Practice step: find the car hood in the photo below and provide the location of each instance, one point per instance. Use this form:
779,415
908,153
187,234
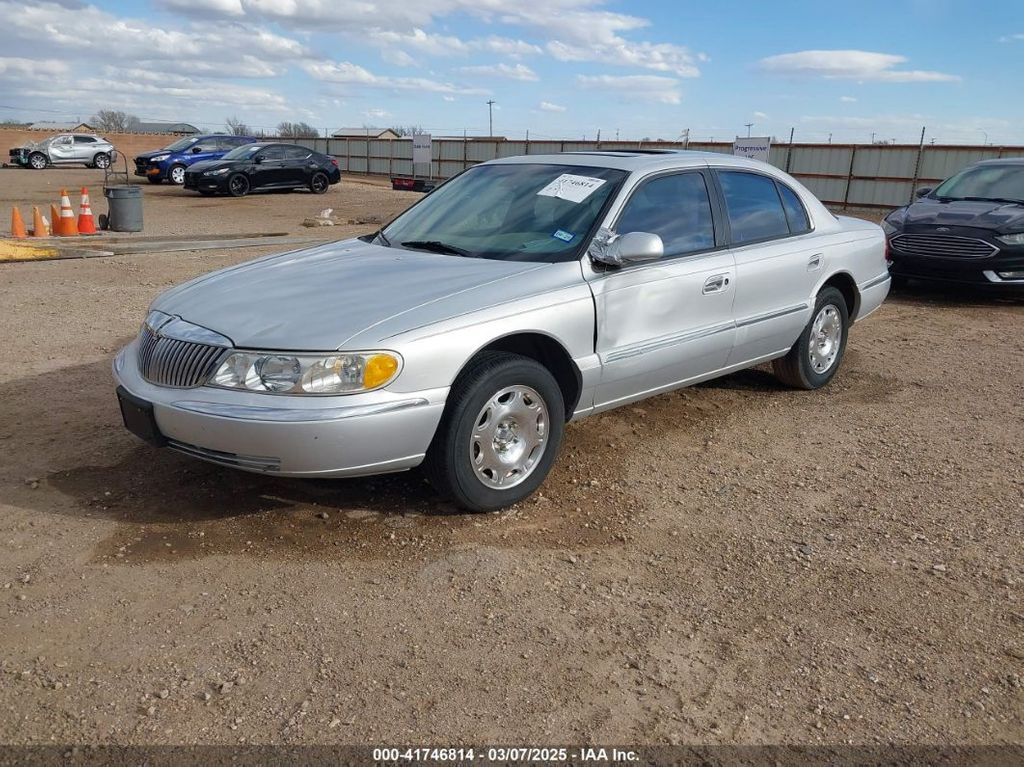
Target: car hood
203,165
153,153
997,216
321,298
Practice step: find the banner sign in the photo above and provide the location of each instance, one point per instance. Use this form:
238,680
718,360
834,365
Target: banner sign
422,152
752,148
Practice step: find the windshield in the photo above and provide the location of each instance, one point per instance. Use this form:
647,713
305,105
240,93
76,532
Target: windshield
243,151
987,182
514,212
182,143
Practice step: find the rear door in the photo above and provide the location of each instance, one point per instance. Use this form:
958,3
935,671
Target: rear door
778,262
298,165
83,148
664,323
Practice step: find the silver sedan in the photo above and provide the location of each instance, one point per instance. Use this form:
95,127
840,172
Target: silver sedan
522,294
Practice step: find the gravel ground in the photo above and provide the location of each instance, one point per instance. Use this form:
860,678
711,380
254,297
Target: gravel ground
732,563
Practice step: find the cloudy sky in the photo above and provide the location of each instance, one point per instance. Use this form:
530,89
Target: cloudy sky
558,68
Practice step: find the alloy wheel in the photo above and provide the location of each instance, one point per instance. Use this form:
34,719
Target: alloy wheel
509,437
826,337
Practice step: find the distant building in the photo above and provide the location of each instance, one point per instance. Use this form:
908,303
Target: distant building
387,133
60,127
166,127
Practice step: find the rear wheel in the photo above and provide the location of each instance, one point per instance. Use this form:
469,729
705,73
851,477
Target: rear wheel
101,161
177,174
817,354
500,432
319,183
238,185
37,160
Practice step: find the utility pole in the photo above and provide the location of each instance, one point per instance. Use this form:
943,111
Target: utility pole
872,138
830,138
749,126
490,117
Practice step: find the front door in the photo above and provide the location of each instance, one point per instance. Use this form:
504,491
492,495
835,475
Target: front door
662,324
270,167
62,150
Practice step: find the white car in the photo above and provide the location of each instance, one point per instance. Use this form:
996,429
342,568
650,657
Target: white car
522,294
65,149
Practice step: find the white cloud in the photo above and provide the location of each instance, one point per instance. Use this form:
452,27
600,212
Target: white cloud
850,65
848,99
1012,38
508,71
547,106
376,113
760,116
347,73
20,67
662,90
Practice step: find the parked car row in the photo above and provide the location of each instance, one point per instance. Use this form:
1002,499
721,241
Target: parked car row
210,164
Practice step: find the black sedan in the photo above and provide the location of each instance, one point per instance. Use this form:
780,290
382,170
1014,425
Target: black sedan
257,167
968,230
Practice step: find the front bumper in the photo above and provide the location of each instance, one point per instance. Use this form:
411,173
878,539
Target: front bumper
144,169
345,436
200,183
19,157
981,273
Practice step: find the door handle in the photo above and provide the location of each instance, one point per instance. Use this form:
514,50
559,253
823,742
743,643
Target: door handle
716,283
814,263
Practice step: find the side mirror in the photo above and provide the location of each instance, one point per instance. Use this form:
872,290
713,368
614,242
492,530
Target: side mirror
197,149
258,159
922,191
630,248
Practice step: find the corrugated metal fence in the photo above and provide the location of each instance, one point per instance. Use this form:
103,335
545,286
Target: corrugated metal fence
847,175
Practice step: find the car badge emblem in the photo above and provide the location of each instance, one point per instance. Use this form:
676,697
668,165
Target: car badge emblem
942,229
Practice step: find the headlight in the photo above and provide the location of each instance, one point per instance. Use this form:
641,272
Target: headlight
218,172
1012,239
159,158
889,228
336,373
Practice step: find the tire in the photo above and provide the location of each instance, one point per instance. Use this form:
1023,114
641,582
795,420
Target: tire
176,174
817,354
499,398
319,183
37,161
238,185
101,161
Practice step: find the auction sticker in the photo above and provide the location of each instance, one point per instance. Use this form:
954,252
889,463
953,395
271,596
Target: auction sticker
570,187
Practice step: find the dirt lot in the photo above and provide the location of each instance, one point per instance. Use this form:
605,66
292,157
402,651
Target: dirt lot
732,563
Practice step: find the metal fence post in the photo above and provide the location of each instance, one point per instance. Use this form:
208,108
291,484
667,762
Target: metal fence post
849,177
465,155
917,166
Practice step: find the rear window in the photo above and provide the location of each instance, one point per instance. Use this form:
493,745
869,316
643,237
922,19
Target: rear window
84,140
754,207
796,214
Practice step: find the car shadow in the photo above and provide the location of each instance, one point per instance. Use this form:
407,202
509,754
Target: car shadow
958,296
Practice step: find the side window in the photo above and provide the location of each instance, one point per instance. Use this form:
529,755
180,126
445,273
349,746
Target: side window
755,210
272,153
84,140
677,208
796,214
296,153
238,141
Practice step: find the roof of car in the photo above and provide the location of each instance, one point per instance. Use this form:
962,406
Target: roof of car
632,160
1002,161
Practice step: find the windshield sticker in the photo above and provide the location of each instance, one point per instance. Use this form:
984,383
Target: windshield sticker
563,235
571,188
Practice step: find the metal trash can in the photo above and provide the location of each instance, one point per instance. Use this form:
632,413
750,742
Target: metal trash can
124,206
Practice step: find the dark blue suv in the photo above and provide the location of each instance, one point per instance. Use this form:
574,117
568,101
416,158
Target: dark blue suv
171,161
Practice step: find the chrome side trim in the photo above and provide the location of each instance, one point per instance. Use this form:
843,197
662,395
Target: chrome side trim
287,415
771,315
652,346
167,326
877,281
250,462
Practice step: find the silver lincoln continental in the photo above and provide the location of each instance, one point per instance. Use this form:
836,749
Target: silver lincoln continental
522,294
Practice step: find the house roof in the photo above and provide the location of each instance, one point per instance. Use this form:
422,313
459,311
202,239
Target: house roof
165,127
60,126
364,133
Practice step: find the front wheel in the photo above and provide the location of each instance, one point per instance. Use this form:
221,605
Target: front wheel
319,183
500,432
238,185
817,354
37,160
177,174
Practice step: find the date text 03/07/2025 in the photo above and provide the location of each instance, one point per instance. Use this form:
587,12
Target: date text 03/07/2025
504,754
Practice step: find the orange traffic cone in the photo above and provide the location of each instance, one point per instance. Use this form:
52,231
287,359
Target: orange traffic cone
17,225
86,223
54,219
38,227
66,227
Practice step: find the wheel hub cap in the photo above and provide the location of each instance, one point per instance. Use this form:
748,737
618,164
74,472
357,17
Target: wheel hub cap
509,437
826,337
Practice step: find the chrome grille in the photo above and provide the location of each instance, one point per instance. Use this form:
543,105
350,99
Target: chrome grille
171,362
942,245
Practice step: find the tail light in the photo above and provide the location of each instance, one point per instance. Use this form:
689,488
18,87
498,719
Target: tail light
334,162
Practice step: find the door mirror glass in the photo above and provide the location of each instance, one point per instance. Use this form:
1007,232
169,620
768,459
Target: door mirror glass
197,149
630,248
923,191
258,159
